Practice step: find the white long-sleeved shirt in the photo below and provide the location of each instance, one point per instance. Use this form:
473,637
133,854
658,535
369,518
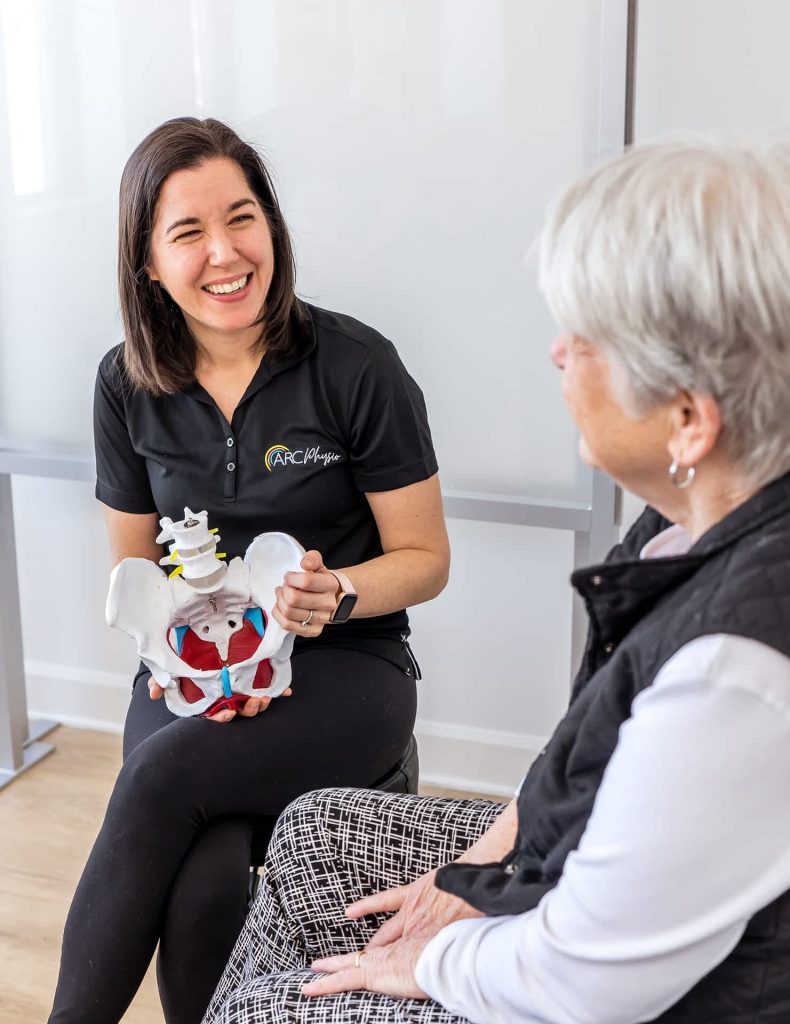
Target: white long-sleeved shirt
689,838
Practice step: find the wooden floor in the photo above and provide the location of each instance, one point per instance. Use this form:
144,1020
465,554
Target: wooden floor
48,820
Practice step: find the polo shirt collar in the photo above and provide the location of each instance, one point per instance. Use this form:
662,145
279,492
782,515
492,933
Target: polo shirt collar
271,363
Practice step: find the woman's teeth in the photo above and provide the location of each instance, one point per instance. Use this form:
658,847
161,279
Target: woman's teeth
225,289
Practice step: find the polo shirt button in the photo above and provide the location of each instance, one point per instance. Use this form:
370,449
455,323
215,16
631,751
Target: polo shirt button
231,466
596,581
608,648
230,442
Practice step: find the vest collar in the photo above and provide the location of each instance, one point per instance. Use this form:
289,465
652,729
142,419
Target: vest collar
619,592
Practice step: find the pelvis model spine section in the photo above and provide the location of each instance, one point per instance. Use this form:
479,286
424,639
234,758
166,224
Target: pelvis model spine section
193,550
205,631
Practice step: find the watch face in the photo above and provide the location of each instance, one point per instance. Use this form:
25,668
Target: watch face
344,607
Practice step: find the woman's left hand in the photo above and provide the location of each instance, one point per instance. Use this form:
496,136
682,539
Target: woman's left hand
307,599
388,969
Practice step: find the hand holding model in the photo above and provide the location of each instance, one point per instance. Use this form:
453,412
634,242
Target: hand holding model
311,599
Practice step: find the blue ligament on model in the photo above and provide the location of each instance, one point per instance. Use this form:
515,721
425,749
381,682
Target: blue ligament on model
255,616
180,631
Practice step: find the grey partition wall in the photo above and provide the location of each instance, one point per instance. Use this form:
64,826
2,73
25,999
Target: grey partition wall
21,743
415,144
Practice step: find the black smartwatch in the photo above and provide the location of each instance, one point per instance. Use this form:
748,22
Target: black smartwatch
346,597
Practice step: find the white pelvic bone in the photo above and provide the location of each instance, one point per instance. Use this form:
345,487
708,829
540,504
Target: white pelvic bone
151,608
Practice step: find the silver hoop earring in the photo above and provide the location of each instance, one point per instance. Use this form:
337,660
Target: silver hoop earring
676,481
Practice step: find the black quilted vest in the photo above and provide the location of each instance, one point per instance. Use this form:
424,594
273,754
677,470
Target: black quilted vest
736,579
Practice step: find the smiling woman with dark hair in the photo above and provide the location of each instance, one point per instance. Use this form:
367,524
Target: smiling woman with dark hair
643,872
160,354
231,395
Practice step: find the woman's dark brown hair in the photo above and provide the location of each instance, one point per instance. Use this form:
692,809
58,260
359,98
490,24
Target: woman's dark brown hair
159,351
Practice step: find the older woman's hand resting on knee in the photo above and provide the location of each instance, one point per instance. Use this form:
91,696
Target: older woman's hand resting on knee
422,910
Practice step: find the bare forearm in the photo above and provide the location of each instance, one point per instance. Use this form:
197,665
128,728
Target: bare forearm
416,559
132,536
497,841
397,579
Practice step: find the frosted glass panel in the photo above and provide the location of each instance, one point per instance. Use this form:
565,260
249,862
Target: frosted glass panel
713,66
415,144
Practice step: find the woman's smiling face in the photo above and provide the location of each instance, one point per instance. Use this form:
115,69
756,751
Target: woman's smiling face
211,250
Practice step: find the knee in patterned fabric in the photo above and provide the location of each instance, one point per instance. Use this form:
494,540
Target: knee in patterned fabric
306,812
276,999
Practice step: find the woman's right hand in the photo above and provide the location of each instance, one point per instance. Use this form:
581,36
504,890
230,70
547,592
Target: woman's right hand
422,910
253,707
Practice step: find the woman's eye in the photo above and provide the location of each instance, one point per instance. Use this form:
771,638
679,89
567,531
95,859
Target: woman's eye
185,234
241,217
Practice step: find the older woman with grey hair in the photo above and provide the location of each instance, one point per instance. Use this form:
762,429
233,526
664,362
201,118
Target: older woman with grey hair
643,871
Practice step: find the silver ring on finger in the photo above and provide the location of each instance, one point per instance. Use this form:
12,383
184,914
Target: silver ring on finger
307,620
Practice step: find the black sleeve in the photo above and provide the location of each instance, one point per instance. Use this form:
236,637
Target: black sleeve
390,440
121,474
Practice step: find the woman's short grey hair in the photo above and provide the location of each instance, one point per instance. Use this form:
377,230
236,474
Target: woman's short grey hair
676,256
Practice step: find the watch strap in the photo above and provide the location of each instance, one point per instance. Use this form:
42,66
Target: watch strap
344,583
345,597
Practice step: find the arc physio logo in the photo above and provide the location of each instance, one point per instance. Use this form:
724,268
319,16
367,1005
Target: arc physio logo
279,456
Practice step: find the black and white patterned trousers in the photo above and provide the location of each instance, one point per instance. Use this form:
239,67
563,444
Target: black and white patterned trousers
332,847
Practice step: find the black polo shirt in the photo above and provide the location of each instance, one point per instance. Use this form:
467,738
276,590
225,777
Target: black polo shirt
314,431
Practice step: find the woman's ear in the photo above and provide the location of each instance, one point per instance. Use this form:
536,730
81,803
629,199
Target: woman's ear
696,427
151,271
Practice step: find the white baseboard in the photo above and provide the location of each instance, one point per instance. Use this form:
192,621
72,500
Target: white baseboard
83,698
453,756
463,757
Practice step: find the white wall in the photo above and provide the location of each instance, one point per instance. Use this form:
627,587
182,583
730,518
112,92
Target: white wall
415,145
718,67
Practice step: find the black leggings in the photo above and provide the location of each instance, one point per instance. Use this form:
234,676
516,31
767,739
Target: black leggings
171,862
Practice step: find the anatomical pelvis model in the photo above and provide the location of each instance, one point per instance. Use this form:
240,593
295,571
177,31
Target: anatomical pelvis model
205,631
